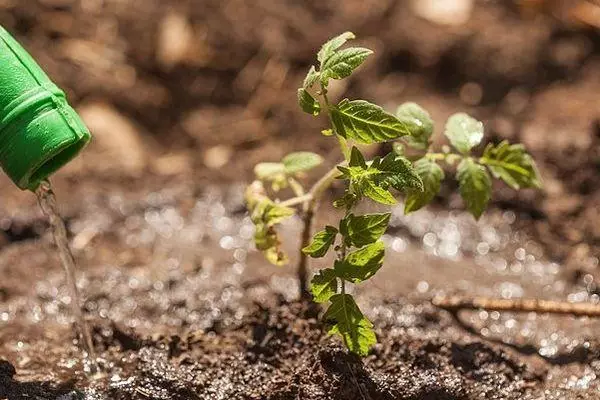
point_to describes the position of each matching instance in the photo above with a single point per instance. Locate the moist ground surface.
(184, 97)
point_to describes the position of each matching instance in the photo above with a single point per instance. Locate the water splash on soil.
(172, 263)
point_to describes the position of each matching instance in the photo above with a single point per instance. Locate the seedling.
(356, 241)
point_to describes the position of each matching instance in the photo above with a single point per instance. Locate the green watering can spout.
(39, 131)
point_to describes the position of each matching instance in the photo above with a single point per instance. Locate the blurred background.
(185, 96)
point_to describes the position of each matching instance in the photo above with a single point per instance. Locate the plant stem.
(457, 303)
(341, 140)
(311, 204)
(296, 200)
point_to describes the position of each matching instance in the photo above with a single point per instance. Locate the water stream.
(47, 201)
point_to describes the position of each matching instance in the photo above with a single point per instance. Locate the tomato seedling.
(356, 240)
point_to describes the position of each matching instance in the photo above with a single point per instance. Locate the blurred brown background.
(197, 91)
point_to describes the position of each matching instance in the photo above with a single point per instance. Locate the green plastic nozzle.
(39, 131)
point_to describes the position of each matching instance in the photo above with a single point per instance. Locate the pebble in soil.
(184, 307)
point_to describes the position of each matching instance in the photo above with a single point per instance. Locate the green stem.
(341, 140)
(315, 193)
(296, 200)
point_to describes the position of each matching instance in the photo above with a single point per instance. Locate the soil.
(184, 97)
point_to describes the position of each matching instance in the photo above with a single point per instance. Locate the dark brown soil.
(181, 95)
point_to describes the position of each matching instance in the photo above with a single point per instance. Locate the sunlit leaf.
(329, 48)
(324, 285)
(321, 242)
(364, 229)
(464, 132)
(366, 122)
(419, 123)
(398, 172)
(311, 77)
(350, 323)
(374, 179)
(301, 161)
(269, 170)
(341, 64)
(512, 164)
(361, 264)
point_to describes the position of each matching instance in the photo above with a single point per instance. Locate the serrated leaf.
(361, 264)
(375, 180)
(418, 122)
(431, 175)
(364, 229)
(269, 170)
(300, 161)
(311, 77)
(350, 323)
(512, 164)
(398, 172)
(377, 193)
(366, 122)
(329, 48)
(341, 64)
(308, 103)
(475, 186)
(464, 132)
(321, 242)
(324, 285)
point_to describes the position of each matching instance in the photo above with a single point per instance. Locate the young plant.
(356, 240)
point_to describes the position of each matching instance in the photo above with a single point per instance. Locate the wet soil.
(182, 96)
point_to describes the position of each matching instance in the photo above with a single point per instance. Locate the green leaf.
(512, 164)
(464, 132)
(321, 242)
(276, 256)
(301, 161)
(357, 159)
(269, 170)
(350, 323)
(364, 229)
(348, 200)
(398, 172)
(324, 285)
(377, 193)
(418, 122)
(265, 214)
(274, 214)
(361, 264)
(375, 180)
(308, 103)
(431, 175)
(329, 48)
(366, 122)
(475, 186)
(311, 77)
(341, 64)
